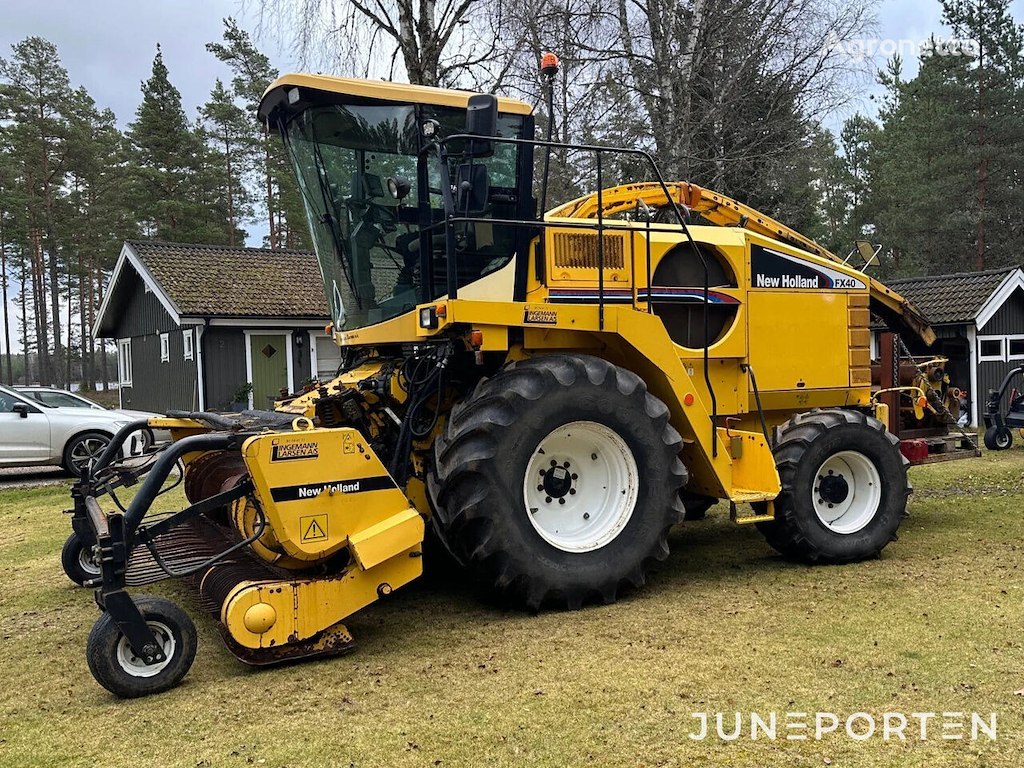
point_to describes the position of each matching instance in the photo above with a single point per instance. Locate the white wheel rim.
(135, 666)
(87, 562)
(581, 486)
(847, 492)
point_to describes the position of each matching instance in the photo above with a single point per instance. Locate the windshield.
(343, 157)
(369, 243)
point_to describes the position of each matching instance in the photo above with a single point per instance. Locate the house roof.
(214, 281)
(955, 298)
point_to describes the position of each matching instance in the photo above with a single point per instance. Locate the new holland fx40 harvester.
(547, 394)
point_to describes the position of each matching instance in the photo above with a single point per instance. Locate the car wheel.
(84, 449)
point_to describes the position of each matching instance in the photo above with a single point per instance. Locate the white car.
(62, 398)
(35, 434)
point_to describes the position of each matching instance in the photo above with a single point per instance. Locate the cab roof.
(377, 89)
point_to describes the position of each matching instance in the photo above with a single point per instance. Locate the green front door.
(269, 354)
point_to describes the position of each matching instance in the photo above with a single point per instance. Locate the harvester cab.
(546, 393)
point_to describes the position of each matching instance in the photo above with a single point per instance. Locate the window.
(991, 348)
(165, 348)
(186, 341)
(326, 357)
(61, 400)
(124, 361)
(1015, 347)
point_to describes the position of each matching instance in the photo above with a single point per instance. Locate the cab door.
(24, 438)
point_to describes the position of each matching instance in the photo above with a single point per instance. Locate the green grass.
(442, 678)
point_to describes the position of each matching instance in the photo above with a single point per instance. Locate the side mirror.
(22, 409)
(481, 120)
(473, 188)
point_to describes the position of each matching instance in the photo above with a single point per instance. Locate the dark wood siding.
(156, 386)
(161, 386)
(1007, 321)
(143, 314)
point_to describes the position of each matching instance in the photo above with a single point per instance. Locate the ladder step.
(750, 515)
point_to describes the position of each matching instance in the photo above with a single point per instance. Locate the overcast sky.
(108, 45)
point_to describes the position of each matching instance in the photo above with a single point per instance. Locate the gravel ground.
(32, 477)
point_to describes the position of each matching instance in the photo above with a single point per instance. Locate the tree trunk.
(267, 164)
(24, 320)
(9, 379)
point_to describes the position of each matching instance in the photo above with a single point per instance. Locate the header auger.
(546, 393)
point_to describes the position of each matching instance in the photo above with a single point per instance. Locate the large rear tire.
(844, 487)
(556, 482)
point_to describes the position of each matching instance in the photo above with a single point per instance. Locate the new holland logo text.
(786, 281)
(309, 491)
(330, 488)
(292, 451)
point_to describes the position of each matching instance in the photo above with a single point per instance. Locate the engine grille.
(578, 250)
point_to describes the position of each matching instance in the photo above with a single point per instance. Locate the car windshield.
(60, 399)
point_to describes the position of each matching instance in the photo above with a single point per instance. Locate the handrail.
(598, 151)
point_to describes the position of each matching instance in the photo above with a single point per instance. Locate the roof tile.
(955, 298)
(214, 280)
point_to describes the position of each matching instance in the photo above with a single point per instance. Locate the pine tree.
(229, 131)
(996, 133)
(164, 152)
(34, 96)
(267, 167)
(97, 219)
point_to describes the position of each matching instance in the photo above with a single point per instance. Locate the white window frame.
(165, 348)
(1001, 358)
(1014, 337)
(313, 361)
(124, 362)
(187, 345)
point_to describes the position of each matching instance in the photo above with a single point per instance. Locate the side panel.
(324, 489)
(799, 341)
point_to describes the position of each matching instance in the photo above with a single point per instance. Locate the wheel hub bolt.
(561, 500)
(586, 515)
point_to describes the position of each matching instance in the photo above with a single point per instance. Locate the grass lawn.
(441, 678)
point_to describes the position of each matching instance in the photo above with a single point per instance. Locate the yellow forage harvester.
(550, 394)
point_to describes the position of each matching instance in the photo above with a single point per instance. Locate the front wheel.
(116, 667)
(557, 481)
(79, 562)
(82, 450)
(998, 438)
(844, 487)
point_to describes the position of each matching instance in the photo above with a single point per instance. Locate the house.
(213, 328)
(979, 320)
